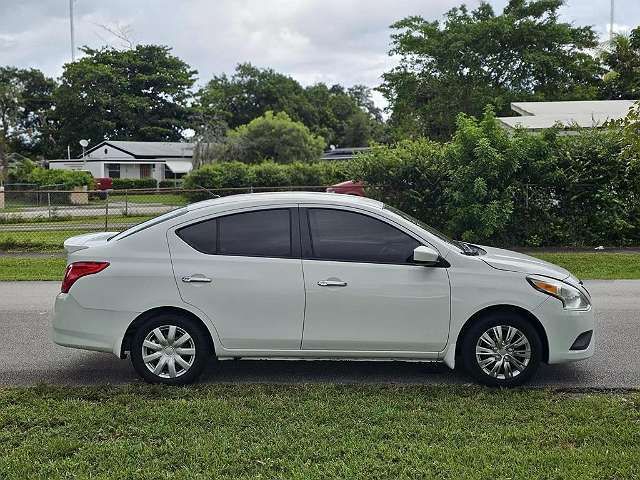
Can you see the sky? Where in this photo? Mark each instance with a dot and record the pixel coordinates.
(331, 41)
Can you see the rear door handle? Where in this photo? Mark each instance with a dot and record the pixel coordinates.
(196, 279)
(332, 283)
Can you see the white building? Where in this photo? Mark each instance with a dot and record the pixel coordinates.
(537, 116)
(157, 160)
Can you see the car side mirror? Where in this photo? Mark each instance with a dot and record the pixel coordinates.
(425, 255)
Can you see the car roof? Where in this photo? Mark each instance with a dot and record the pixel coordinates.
(251, 199)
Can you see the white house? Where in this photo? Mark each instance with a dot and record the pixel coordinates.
(537, 116)
(114, 159)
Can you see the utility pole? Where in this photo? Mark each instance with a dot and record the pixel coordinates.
(611, 21)
(73, 46)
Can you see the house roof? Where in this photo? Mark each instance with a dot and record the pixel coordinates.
(586, 114)
(150, 149)
(343, 153)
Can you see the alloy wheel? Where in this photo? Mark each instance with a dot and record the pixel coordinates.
(503, 352)
(168, 351)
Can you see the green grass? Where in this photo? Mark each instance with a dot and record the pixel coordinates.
(39, 240)
(36, 241)
(172, 199)
(38, 268)
(590, 266)
(605, 266)
(39, 222)
(317, 432)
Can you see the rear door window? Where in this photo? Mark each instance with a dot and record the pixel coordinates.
(260, 233)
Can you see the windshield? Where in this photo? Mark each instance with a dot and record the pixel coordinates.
(426, 227)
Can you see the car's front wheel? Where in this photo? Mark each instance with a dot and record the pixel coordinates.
(171, 349)
(501, 350)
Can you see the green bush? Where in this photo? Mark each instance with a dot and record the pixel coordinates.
(488, 186)
(170, 183)
(229, 175)
(411, 176)
(482, 169)
(129, 183)
(272, 136)
(64, 179)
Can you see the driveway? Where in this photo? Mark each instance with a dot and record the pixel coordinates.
(28, 356)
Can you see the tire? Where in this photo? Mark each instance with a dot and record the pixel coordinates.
(514, 366)
(189, 357)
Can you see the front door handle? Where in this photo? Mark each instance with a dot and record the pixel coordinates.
(196, 279)
(332, 283)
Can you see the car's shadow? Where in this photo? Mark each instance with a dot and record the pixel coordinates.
(96, 368)
(370, 372)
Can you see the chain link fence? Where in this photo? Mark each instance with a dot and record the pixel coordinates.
(39, 219)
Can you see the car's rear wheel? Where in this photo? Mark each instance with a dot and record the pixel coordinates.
(171, 349)
(501, 350)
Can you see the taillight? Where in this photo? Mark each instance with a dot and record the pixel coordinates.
(78, 270)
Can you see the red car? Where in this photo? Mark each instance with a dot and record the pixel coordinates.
(103, 183)
(350, 187)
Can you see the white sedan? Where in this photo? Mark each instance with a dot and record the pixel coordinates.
(314, 275)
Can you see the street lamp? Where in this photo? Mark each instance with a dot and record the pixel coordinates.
(73, 42)
(611, 21)
(84, 144)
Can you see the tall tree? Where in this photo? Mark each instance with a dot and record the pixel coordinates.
(475, 58)
(622, 60)
(251, 92)
(137, 94)
(26, 107)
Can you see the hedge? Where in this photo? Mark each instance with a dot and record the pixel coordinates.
(66, 179)
(127, 183)
(489, 186)
(267, 174)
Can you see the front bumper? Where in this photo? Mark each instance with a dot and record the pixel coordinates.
(87, 328)
(563, 328)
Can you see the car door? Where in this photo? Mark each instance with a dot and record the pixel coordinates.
(244, 271)
(363, 293)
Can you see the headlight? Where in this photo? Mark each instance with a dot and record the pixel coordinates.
(571, 297)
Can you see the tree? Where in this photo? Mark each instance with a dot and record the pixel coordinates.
(631, 140)
(622, 59)
(273, 137)
(251, 92)
(137, 94)
(476, 58)
(26, 107)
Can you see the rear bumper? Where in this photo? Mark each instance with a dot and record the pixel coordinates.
(563, 327)
(88, 329)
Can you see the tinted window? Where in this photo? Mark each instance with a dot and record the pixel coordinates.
(348, 236)
(265, 233)
(201, 236)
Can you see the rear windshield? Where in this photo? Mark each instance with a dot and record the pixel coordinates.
(149, 223)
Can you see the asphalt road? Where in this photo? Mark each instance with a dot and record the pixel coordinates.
(28, 356)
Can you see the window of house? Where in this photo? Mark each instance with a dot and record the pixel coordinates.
(113, 170)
